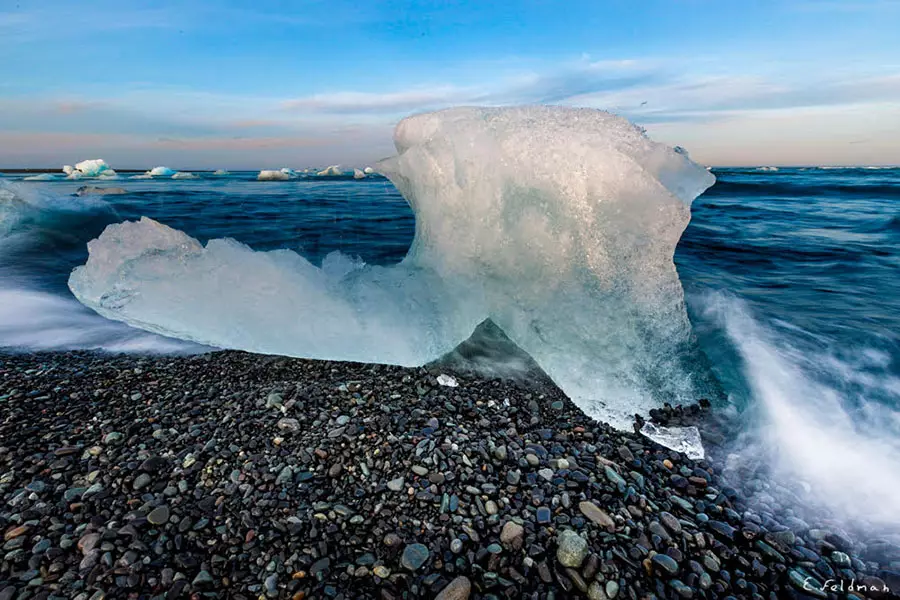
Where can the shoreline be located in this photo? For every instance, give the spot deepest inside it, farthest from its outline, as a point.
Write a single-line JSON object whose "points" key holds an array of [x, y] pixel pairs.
{"points": [[239, 476]]}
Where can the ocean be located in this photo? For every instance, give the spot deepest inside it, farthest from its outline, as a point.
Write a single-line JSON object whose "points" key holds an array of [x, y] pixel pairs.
{"points": [[791, 281]]}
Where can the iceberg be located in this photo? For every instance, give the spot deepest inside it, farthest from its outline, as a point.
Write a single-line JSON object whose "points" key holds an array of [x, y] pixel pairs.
{"points": [[357, 174], [183, 175], [161, 172], [558, 224], [273, 176], [40, 177], [368, 170], [332, 171], [95, 167], [221, 172]]}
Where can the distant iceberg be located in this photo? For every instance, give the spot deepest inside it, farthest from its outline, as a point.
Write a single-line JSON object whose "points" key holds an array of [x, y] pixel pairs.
{"points": [[142, 176], [767, 169], [357, 174], [332, 171], [273, 176], [221, 172], [183, 175], [161, 172], [41, 177], [95, 167]]}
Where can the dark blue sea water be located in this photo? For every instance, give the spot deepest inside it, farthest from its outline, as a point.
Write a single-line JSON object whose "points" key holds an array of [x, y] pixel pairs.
{"points": [[791, 278]]}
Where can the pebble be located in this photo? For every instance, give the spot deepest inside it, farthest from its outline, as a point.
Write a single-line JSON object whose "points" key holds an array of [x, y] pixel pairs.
{"points": [[414, 556], [596, 514], [571, 549], [159, 515], [458, 589]]}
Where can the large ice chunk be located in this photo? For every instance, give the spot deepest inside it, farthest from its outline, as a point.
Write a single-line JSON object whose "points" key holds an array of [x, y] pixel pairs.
{"points": [[558, 224]]}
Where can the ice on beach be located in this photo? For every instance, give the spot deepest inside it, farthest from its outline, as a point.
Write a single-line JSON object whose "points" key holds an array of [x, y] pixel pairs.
{"points": [[267, 175], [357, 174], [447, 380], [161, 172], [558, 224], [332, 171], [680, 439]]}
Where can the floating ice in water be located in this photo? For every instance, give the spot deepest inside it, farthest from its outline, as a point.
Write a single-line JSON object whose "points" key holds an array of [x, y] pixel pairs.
{"points": [[368, 170], [447, 381], [100, 191], [273, 176], [161, 172], [184, 175], [332, 171], [357, 174], [559, 224], [95, 167], [770, 169], [141, 176], [221, 172], [679, 439], [41, 177]]}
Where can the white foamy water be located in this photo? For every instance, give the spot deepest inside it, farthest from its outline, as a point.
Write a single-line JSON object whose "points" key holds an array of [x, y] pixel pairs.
{"points": [[813, 429], [558, 224]]}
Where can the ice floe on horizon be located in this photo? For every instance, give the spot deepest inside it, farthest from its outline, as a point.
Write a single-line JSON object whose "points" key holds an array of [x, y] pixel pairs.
{"points": [[94, 167], [272, 175], [332, 171]]}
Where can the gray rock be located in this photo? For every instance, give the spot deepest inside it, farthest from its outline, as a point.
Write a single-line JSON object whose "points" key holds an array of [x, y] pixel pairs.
{"points": [[571, 549], [512, 535], [414, 556], [159, 515], [458, 589], [596, 515]]}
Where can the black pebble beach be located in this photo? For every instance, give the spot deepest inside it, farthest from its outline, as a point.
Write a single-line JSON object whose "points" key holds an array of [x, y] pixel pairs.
{"points": [[231, 475]]}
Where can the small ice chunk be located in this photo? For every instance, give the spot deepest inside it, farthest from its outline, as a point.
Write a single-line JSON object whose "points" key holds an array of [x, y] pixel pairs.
{"points": [[161, 172], [357, 174], [447, 381], [221, 172], [332, 171], [183, 175], [680, 439], [41, 177], [368, 170], [272, 176]]}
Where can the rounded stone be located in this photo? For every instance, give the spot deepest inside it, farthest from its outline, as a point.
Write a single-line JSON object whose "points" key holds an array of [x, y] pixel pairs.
{"points": [[414, 556], [571, 549]]}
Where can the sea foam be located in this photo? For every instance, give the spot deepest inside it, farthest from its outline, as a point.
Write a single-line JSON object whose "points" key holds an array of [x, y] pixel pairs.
{"points": [[558, 224]]}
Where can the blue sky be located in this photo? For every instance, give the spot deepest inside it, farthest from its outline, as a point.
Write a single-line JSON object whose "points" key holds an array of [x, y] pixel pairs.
{"points": [[267, 84]]}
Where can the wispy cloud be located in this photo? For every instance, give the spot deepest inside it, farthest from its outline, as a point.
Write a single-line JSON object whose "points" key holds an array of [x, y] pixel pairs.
{"points": [[389, 102]]}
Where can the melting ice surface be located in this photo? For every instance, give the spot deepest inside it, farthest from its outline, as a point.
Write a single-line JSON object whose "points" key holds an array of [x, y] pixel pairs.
{"points": [[558, 224]]}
